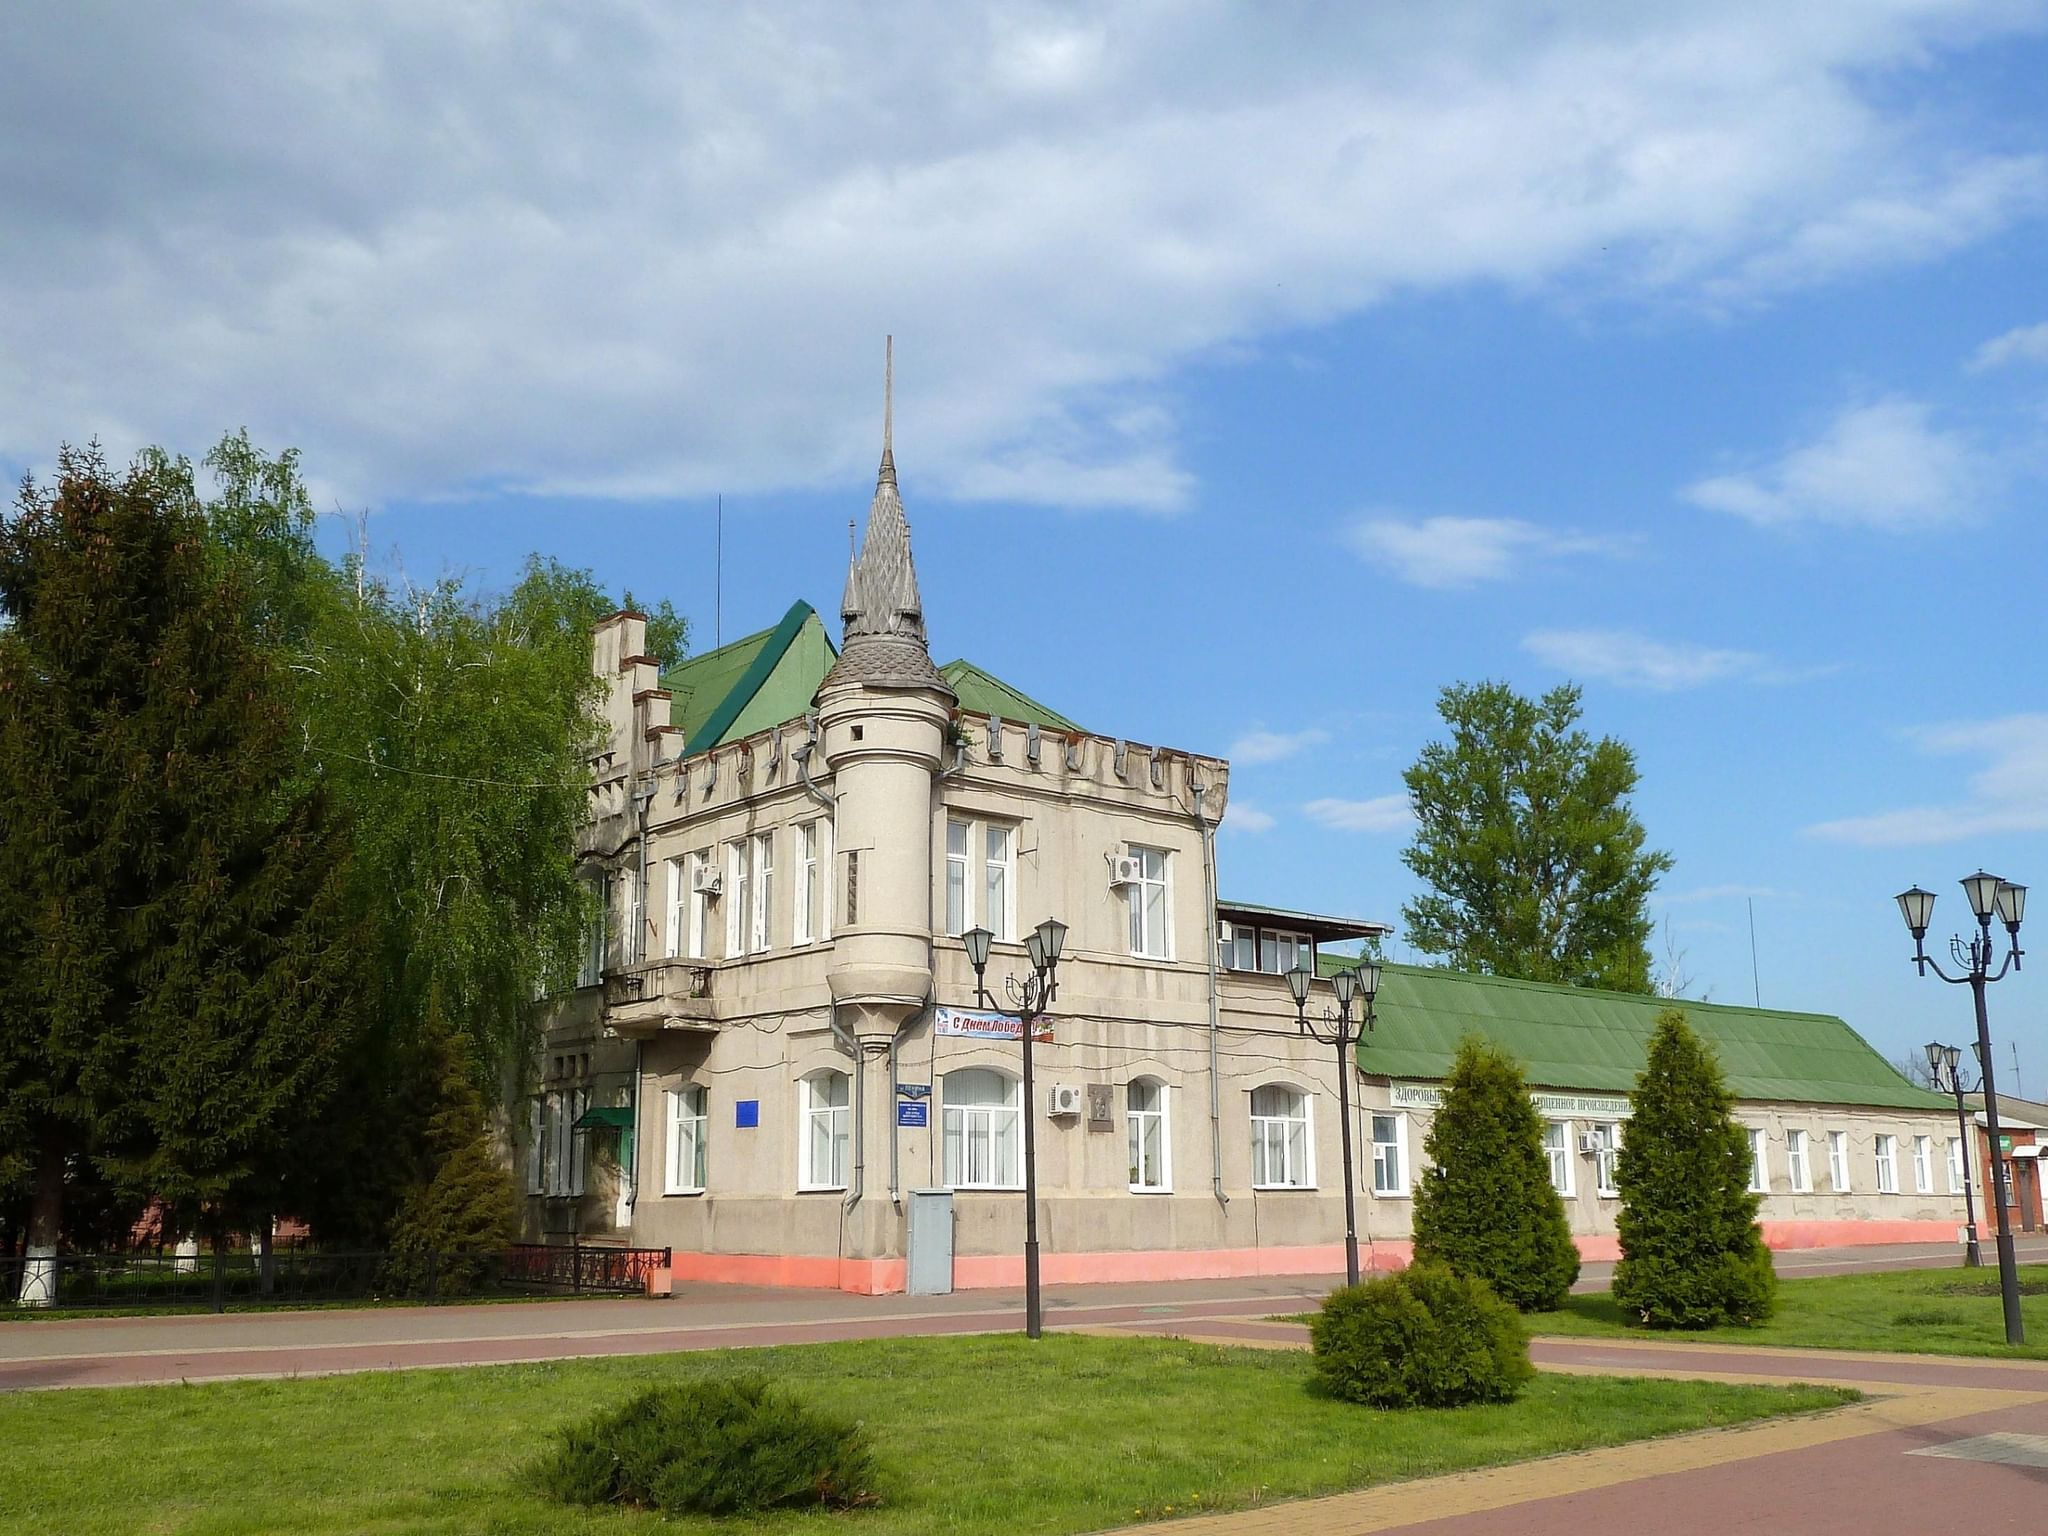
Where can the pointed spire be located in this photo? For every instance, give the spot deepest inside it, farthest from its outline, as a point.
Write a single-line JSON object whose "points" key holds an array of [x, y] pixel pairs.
{"points": [[884, 639]]}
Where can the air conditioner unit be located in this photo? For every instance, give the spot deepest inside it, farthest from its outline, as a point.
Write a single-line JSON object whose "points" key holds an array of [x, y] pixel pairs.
{"points": [[1125, 870], [1063, 1099], [1592, 1143], [705, 880]]}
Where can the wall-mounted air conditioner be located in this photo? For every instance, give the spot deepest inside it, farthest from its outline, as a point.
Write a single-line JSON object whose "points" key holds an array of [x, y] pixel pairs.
{"points": [[705, 880], [1592, 1143], [1063, 1099], [1125, 870]]}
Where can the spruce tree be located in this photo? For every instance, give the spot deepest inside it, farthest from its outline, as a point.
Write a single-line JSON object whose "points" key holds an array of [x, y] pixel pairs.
{"points": [[1487, 1207], [178, 970], [1691, 1253]]}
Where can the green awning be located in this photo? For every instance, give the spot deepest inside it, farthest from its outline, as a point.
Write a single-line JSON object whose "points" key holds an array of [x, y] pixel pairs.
{"points": [[617, 1118]]}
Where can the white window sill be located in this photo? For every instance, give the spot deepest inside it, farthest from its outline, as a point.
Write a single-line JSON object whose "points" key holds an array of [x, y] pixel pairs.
{"points": [[1393, 1194], [681, 1193], [986, 1189], [821, 1189], [1283, 1189], [1151, 1189]]}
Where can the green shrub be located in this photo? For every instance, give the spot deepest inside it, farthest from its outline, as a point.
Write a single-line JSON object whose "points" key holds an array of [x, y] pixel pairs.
{"points": [[1486, 1208], [710, 1448], [1691, 1253], [1423, 1338]]}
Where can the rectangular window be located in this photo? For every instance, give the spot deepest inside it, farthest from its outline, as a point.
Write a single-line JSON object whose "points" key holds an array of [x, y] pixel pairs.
{"points": [[687, 1150], [739, 895], [634, 947], [999, 880], [1281, 1143], [1390, 1155], [821, 1154], [1887, 1148], [1838, 1161], [699, 937], [1759, 1164], [591, 969], [579, 1141], [1557, 1144], [1150, 913], [982, 1123], [536, 1149], [760, 931], [1955, 1165], [959, 919], [813, 859], [1273, 951], [1923, 1165], [675, 930], [1795, 1163], [1603, 1160]]}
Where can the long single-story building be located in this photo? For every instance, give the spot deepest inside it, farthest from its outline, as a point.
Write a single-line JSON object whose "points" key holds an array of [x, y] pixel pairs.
{"points": [[777, 1065]]}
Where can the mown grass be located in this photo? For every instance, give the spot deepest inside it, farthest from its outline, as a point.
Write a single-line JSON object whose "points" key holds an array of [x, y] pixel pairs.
{"points": [[975, 1435], [1912, 1311]]}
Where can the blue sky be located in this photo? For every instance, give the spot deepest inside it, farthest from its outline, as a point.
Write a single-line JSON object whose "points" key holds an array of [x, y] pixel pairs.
{"points": [[1259, 373]]}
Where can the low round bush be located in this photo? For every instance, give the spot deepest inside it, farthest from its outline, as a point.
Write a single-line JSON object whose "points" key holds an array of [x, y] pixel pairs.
{"points": [[711, 1448], [1422, 1338]]}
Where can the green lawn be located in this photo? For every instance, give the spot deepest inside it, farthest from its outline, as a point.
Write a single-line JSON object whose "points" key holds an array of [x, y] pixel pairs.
{"points": [[975, 1435], [1918, 1311]]}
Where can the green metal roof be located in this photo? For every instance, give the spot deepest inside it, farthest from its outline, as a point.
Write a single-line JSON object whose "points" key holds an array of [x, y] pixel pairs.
{"points": [[1591, 1041], [982, 694], [751, 684]]}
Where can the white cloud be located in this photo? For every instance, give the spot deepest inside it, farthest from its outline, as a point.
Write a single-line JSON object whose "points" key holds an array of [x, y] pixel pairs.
{"points": [[650, 250], [1883, 465], [1451, 552], [2027, 344], [1382, 813], [1637, 661], [2007, 794], [1274, 746], [1243, 817], [1710, 893]]}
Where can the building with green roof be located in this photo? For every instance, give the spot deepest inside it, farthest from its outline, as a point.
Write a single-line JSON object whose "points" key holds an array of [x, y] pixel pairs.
{"points": [[779, 1051]]}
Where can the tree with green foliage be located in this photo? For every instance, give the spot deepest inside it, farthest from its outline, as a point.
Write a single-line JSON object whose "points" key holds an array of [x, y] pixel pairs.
{"points": [[1486, 1207], [1692, 1255], [180, 968], [453, 1223], [1534, 863]]}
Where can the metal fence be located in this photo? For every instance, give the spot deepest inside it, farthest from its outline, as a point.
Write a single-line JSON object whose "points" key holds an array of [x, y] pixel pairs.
{"points": [[154, 1279]]}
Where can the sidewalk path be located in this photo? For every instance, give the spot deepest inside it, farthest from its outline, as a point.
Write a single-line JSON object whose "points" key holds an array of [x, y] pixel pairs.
{"points": [[1936, 1436], [116, 1351]]}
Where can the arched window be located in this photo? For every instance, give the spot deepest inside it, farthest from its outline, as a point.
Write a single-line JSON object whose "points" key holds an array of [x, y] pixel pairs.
{"points": [[687, 1145], [984, 1129], [1282, 1156], [824, 1100], [1145, 1117]]}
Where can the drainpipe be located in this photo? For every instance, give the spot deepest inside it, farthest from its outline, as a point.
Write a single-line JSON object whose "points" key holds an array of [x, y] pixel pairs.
{"points": [[1215, 1029], [847, 1043], [931, 1003], [801, 756]]}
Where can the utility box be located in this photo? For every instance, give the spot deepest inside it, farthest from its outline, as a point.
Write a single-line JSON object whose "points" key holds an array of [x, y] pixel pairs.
{"points": [[929, 1271]]}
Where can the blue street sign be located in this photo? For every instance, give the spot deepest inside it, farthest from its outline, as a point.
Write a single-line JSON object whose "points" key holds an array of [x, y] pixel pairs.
{"points": [[913, 1112]]}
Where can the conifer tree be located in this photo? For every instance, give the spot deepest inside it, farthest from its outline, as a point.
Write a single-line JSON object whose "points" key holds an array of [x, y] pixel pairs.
{"points": [[1691, 1253], [461, 1209], [1487, 1207], [177, 971]]}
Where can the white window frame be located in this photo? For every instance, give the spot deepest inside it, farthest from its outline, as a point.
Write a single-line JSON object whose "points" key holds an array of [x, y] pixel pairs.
{"points": [[687, 1117], [959, 889], [1759, 1161], [1798, 1166], [675, 931], [1265, 1127], [963, 1125], [814, 1111], [1389, 1150], [1955, 1165], [761, 930], [1560, 1156], [1145, 944], [1923, 1165], [1609, 1132], [1000, 917], [1135, 1121], [739, 894], [813, 882], [1838, 1163], [1231, 938], [537, 1147], [968, 870], [698, 944], [634, 949], [1884, 1150]]}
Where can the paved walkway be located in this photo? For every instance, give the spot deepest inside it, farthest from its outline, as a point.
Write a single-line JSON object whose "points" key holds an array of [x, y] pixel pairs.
{"points": [[114, 1351], [1935, 1437]]}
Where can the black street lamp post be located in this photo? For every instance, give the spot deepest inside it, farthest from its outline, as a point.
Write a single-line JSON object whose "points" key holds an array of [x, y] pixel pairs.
{"points": [[1350, 984], [1030, 999], [1988, 896], [1944, 1064]]}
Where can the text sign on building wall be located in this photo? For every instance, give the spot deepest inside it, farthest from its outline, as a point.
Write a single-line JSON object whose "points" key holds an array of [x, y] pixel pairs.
{"points": [[975, 1024], [1567, 1105], [915, 1113]]}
